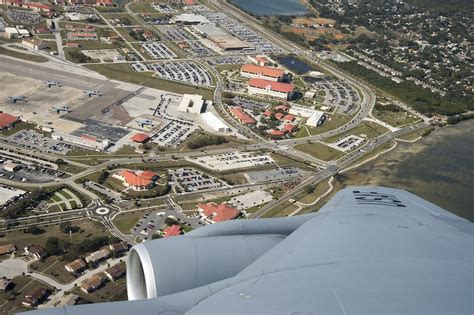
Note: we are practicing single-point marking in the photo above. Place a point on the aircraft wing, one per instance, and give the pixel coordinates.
(370, 250)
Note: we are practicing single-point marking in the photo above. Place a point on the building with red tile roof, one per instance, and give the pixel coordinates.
(276, 133)
(140, 138)
(267, 73)
(105, 3)
(137, 180)
(39, 6)
(213, 212)
(173, 230)
(7, 121)
(289, 128)
(270, 88)
(279, 116)
(242, 116)
(282, 108)
(289, 118)
(267, 113)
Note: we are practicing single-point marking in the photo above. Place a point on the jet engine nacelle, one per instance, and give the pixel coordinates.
(154, 267)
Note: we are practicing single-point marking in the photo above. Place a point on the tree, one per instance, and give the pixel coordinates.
(52, 246)
(34, 230)
(67, 227)
(170, 221)
(309, 189)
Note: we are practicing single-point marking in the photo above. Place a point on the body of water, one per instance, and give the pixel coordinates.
(294, 64)
(271, 7)
(438, 168)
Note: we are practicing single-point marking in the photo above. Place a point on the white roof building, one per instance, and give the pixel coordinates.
(316, 119)
(215, 122)
(191, 103)
(188, 18)
(301, 111)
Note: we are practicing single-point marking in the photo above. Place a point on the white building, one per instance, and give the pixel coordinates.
(189, 19)
(191, 103)
(87, 142)
(301, 111)
(316, 119)
(215, 122)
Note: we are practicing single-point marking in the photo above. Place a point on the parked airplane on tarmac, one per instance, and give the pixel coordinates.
(14, 99)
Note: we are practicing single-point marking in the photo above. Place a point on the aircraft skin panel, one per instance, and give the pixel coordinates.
(369, 250)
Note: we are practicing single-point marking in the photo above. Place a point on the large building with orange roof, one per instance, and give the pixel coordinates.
(137, 180)
(213, 212)
(242, 116)
(270, 88)
(267, 73)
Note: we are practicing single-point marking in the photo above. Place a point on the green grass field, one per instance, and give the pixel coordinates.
(320, 151)
(16, 54)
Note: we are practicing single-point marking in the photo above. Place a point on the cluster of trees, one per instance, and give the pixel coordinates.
(67, 227)
(77, 56)
(420, 98)
(137, 35)
(388, 108)
(70, 251)
(34, 230)
(205, 140)
(103, 177)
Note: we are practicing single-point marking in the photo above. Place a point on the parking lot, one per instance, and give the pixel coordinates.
(28, 169)
(337, 93)
(347, 143)
(237, 29)
(231, 161)
(185, 40)
(184, 71)
(173, 133)
(188, 180)
(37, 141)
(158, 50)
(24, 17)
(153, 221)
(275, 175)
(250, 104)
(251, 199)
(9, 194)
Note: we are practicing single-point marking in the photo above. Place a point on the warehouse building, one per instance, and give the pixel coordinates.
(266, 73)
(82, 36)
(82, 141)
(270, 88)
(189, 19)
(215, 122)
(191, 103)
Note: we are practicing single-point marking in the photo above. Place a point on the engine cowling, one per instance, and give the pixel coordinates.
(161, 267)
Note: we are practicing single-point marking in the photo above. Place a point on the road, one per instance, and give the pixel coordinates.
(334, 169)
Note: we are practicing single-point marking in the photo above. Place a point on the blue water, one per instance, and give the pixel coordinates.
(271, 7)
(294, 64)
